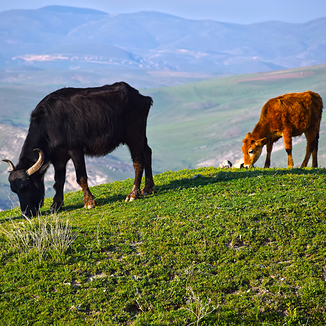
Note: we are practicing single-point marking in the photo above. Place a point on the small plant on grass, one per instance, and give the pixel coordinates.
(61, 236)
(198, 307)
(42, 235)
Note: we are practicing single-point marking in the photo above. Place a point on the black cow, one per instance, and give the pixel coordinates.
(72, 122)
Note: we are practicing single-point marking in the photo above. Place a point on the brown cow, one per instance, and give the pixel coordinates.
(286, 116)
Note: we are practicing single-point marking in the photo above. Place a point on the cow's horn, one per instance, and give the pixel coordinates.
(12, 167)
(38, 163)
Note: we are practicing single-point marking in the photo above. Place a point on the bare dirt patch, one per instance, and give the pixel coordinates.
(279, 76)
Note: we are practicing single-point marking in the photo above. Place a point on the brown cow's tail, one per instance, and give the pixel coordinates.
(319, 105)
(317, 102)
(317, 108)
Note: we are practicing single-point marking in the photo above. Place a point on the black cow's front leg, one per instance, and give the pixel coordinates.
(60, 178)
(89, 199)
(81, 175)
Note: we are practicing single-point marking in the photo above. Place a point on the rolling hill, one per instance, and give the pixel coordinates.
(191, 125)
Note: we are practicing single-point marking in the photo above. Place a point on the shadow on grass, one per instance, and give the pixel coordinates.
(99, 202)
(200, 180)
(221, 175)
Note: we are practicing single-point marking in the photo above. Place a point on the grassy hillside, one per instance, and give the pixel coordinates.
(210, 247)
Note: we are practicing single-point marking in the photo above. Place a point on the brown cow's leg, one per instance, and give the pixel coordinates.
(269, 148)
(314, 152)
(307, 156)
(312, 147)
(81, 176)
(290, 158)
(287, 138)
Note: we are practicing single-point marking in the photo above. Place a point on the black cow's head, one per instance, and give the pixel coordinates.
(28, 185)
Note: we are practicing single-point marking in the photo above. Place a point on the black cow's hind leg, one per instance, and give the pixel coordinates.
(136, 147)
(135, 191)
(141, 155)
(149, 182)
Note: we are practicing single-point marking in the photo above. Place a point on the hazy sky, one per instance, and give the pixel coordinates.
(236, 11)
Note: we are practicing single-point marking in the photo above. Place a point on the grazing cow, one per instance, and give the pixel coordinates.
(72, 122)
(286, 116)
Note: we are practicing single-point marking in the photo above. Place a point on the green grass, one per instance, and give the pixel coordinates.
(242, 247)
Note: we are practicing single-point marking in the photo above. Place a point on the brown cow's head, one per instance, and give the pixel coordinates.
(28, 185)
(251, 149)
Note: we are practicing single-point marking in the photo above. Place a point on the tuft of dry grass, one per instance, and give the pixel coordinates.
(42, 235)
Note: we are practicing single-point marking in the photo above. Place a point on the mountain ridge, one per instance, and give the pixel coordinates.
(148, 40)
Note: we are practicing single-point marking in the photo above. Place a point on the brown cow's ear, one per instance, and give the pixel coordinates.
(248, 135)
(261, 142)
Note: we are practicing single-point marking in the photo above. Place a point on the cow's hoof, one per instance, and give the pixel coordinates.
(148, 190)
(135, 194)
(90, 204)
(129, 199)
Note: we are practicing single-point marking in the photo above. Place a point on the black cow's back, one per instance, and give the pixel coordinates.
(94, 120)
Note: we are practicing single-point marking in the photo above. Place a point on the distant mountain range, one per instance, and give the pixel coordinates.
(74, 38)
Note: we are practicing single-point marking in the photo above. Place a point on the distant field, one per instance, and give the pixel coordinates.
(190, 125)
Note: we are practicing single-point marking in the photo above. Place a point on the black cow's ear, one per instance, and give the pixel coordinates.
(44, 167)
(12, 167)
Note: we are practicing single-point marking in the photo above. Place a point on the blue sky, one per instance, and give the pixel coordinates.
(235, 11)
